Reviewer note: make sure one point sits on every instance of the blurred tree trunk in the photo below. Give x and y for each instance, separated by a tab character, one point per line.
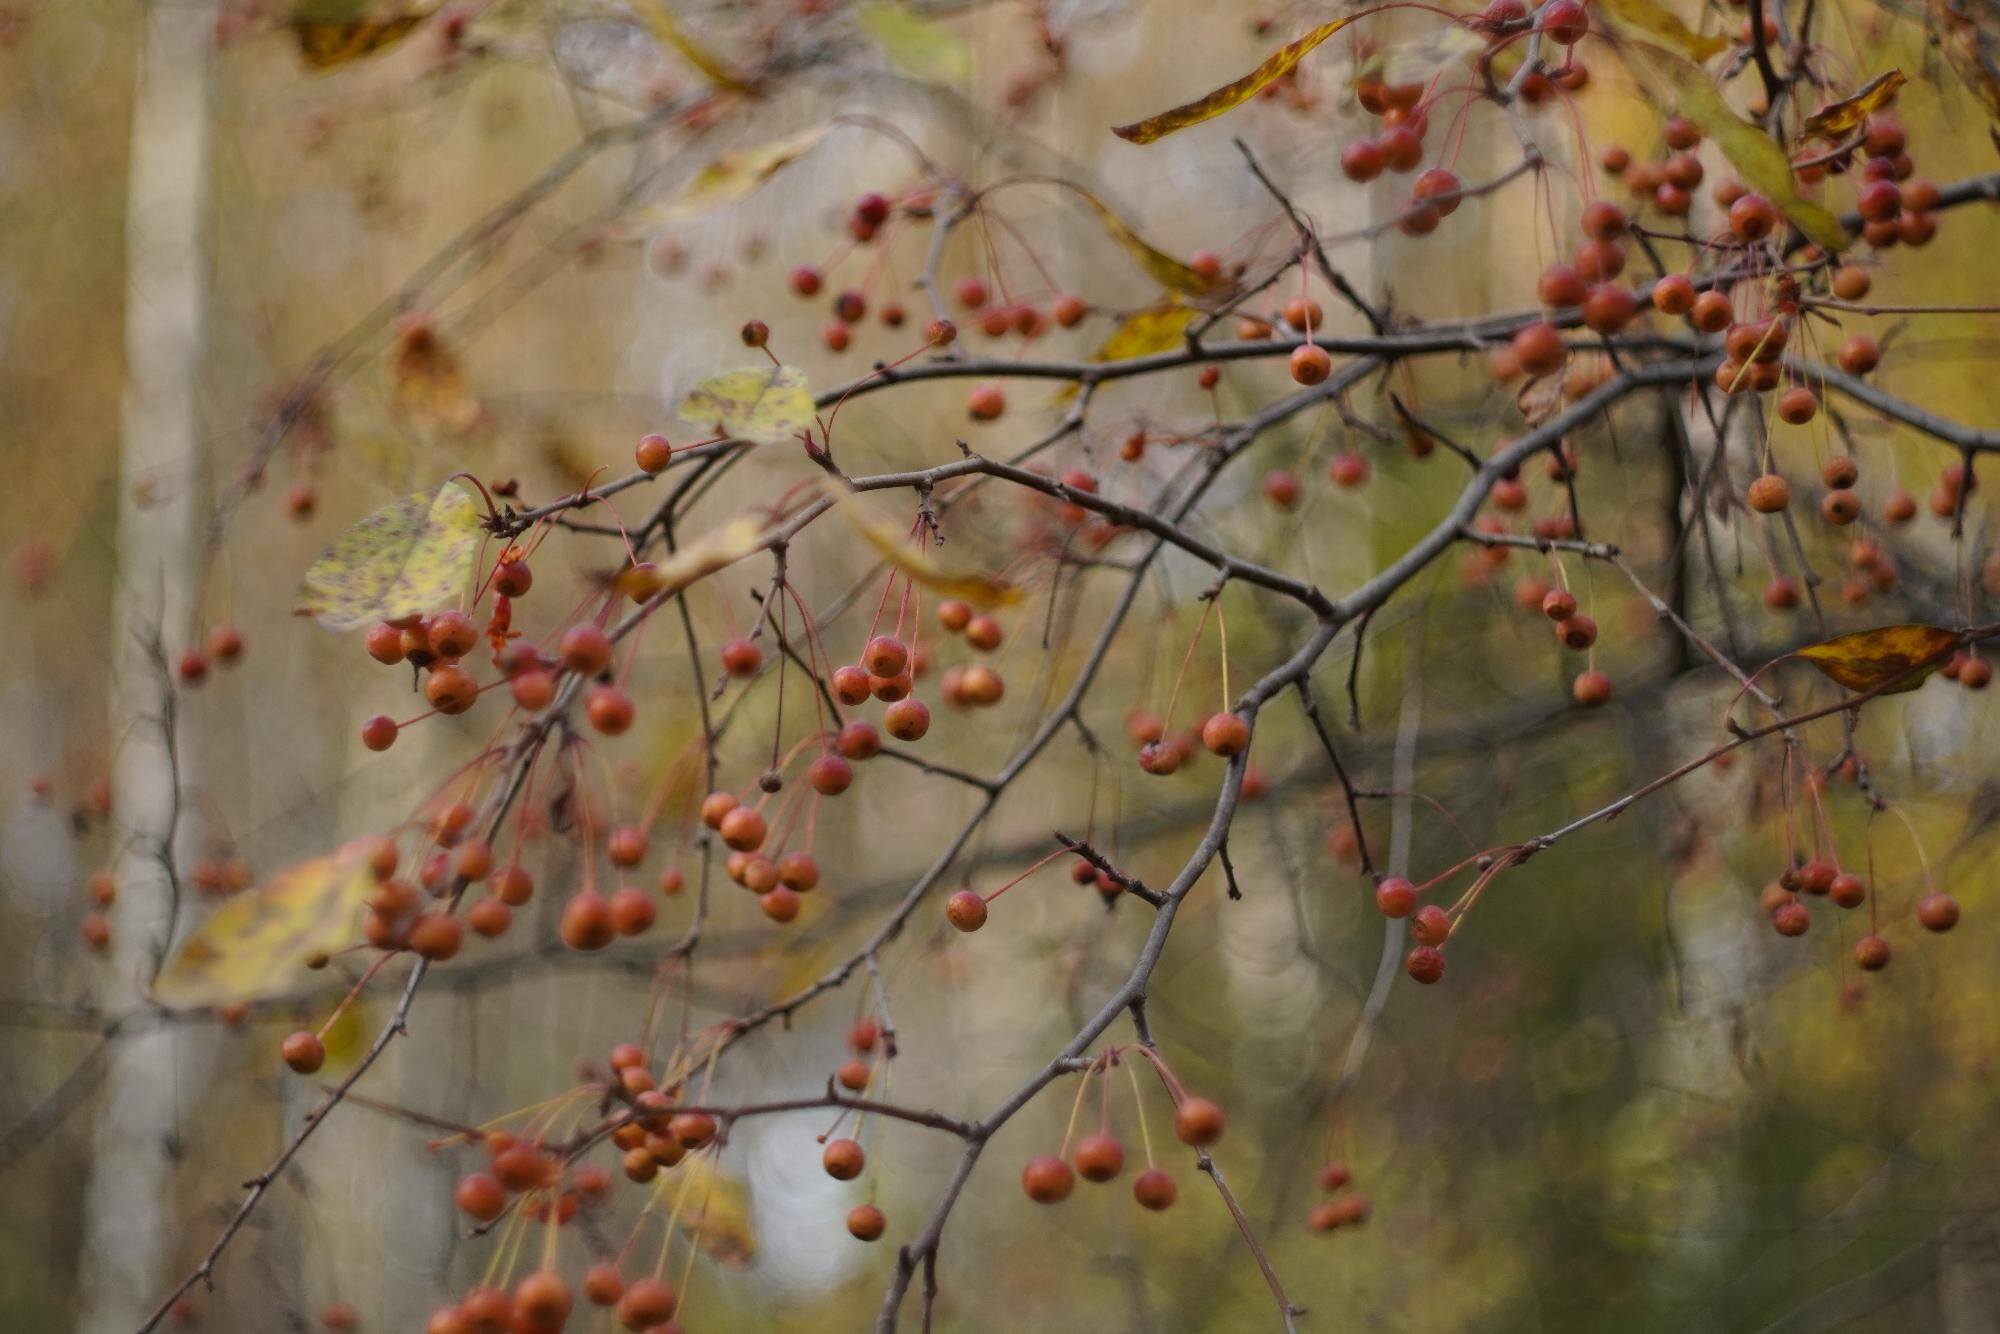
128	1228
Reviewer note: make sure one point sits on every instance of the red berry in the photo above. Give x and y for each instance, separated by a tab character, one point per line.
865	1222
480	1196
965	910
1047	1179
1564	22
1099	1157
1425	963
1396	897
1311	364
1938	912
1198	1122
1154	1189
843	1160
1361	160
303	1052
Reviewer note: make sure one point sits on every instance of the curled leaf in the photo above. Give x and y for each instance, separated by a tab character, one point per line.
1158	264
1837	120
708	553
1757	159
1870	659
1632	18
894	546
410	557
763	405
920	46
329	44
1230	95
255	946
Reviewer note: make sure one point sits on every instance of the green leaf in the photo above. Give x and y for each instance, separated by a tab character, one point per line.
763	405
410	557
1634	18
923	48
1757	158
255	946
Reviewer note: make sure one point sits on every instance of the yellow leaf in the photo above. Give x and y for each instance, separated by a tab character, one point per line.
1159	265
1632	18
1868	659
734	175
922	47
1147	332
1757	159
255	946
667	28
1230	95
705	555
430	383
981	590
328	44
719	1203
1837	120
407	558
764	405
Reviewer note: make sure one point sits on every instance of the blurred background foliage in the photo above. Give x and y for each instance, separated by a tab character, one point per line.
1630	1105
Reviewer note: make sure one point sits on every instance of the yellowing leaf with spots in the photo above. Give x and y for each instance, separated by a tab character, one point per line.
1871	659
764	405
255	946
1158	264
901	551
708	553
410	557
1837	120
921	46
1756	157
1230	95
1631	18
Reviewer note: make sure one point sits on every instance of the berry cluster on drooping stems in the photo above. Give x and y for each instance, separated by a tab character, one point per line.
1747	340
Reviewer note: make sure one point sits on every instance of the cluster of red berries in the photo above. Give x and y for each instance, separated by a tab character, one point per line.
1430	926
223	646
1784	901
1347	1208
1226	735
973	685
1100	1158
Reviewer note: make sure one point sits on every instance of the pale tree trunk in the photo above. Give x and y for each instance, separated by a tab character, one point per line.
129	1225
